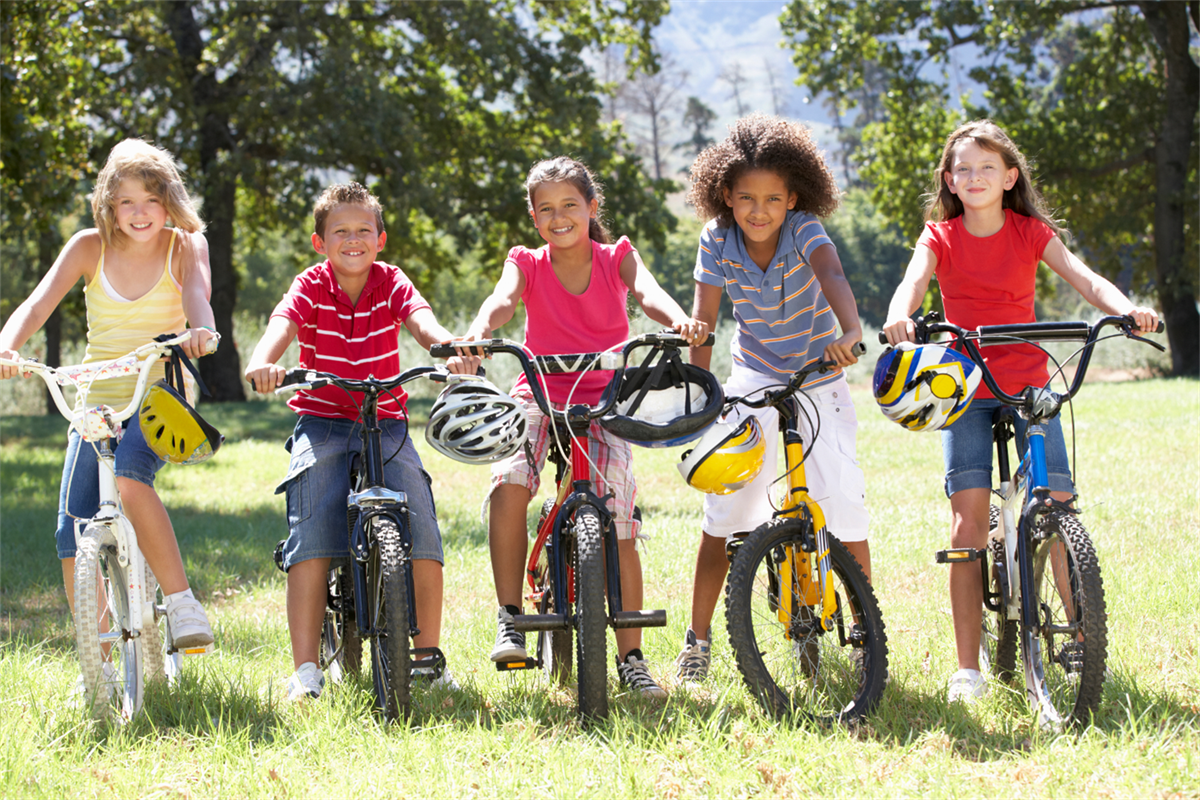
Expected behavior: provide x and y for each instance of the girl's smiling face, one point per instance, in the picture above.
(760, 201)
(978, 177)
(139, 214)
(562, 214)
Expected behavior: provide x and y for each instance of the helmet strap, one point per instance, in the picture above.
(175, 366)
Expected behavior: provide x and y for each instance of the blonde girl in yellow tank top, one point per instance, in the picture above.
(141, 279)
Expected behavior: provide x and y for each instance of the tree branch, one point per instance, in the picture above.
(1144, 157)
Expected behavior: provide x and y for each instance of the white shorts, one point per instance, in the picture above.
(834, 478)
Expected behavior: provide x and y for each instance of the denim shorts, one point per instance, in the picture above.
(79, 493)
(967, 448)
(318, 483)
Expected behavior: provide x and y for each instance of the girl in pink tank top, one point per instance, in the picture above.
(574, 288)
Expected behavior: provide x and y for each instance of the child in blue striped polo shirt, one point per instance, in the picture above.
(763, 188)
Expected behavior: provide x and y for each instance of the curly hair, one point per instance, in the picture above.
(158, 171)
(768, 143)
(352, 193)
(1023, 198)
(564, 169)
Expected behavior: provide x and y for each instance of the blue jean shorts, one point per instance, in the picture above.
(79, 493)
(967, 448)
(318, 483)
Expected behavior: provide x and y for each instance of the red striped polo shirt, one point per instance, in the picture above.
(351, 341)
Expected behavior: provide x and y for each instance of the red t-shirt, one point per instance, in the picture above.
(351, 341)
(990, 280)
(558, 322)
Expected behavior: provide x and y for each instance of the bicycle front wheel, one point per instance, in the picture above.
(773, 605)
(1065, 655)
(387, 581)
(590, 616)
(102, 623)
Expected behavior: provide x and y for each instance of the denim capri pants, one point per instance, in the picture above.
(79, 493)
(967, 448)
(318, 483)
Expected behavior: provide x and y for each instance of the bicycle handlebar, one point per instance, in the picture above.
(301, 379)
(82, 376)
(794, 383)
(571, 362)
(989, 335)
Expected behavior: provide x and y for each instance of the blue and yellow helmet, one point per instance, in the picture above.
(924, 387)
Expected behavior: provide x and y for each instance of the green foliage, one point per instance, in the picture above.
(1081, 87)
(872, 251)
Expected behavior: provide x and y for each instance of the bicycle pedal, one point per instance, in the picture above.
(960, 555)
(509, 666)
(206, 650)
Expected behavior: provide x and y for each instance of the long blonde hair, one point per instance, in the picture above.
(159, 173)
(1023, 198)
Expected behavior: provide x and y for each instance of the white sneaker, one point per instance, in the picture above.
(435, 679)
(967, 685)
(510, 642)
(189, 624)
(307, 681)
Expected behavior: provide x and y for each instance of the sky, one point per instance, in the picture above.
(704, 38)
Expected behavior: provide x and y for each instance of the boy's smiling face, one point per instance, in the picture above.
(760, 201)
(351, 242)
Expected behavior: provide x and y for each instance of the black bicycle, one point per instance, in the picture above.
(375, 589)
(574, 561)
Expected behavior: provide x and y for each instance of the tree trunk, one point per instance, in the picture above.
(48, 244)
(222, 371)
(1176, 272)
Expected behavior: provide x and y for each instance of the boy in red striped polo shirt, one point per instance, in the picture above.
(347, 314)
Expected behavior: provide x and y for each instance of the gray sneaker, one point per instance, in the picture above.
(692, 663)
(306, 682)
(635, 674)
(510, 642)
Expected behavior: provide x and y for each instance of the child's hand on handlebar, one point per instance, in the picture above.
(692, 329)
(201, 342)
(842, 349)
(265, 377)
(1146, 318)
(900, 330)
(467, 361)
(6, 371)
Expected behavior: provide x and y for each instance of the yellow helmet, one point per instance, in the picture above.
(727, 457)
(173, 429)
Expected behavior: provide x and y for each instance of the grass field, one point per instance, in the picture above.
(225, 733)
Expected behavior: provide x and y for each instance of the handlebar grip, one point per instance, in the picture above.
(710, 341)
(1161, 327)
(441, 350)
(883, 338)
(859, 348)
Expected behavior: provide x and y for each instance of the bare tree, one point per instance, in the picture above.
(775, 86)
(653, 98)
(732, 74)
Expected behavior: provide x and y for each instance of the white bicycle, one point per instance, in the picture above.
(122, 632)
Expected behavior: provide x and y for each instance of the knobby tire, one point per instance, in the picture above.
(99, 578)
(794, 668)
(554, 647)
(999, 642)
(590, 614)
(390, 657)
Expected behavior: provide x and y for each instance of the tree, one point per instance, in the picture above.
(45, 141)
(439, 107)
(732, 74)
(1102, 95)
(653, 97)
(699, 117)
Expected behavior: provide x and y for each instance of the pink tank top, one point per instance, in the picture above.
(558, 322)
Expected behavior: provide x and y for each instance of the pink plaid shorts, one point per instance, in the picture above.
(612, 466)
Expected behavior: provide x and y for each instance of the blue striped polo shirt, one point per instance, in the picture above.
(783, 319)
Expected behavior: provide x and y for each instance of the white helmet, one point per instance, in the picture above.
(474, 422)
(924, 387)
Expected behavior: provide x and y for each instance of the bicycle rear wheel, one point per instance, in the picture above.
(788, 661)
(387, 589)
(1065, 657)
(102, 617)
(590, 614)
(998, 644)
(553, 647)
(341, 645)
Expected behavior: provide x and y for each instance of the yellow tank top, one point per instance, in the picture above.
(117, 326)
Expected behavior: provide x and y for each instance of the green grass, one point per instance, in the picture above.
(224, 731)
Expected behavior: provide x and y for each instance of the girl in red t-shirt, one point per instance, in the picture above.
(574, 289)
(987, 229)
